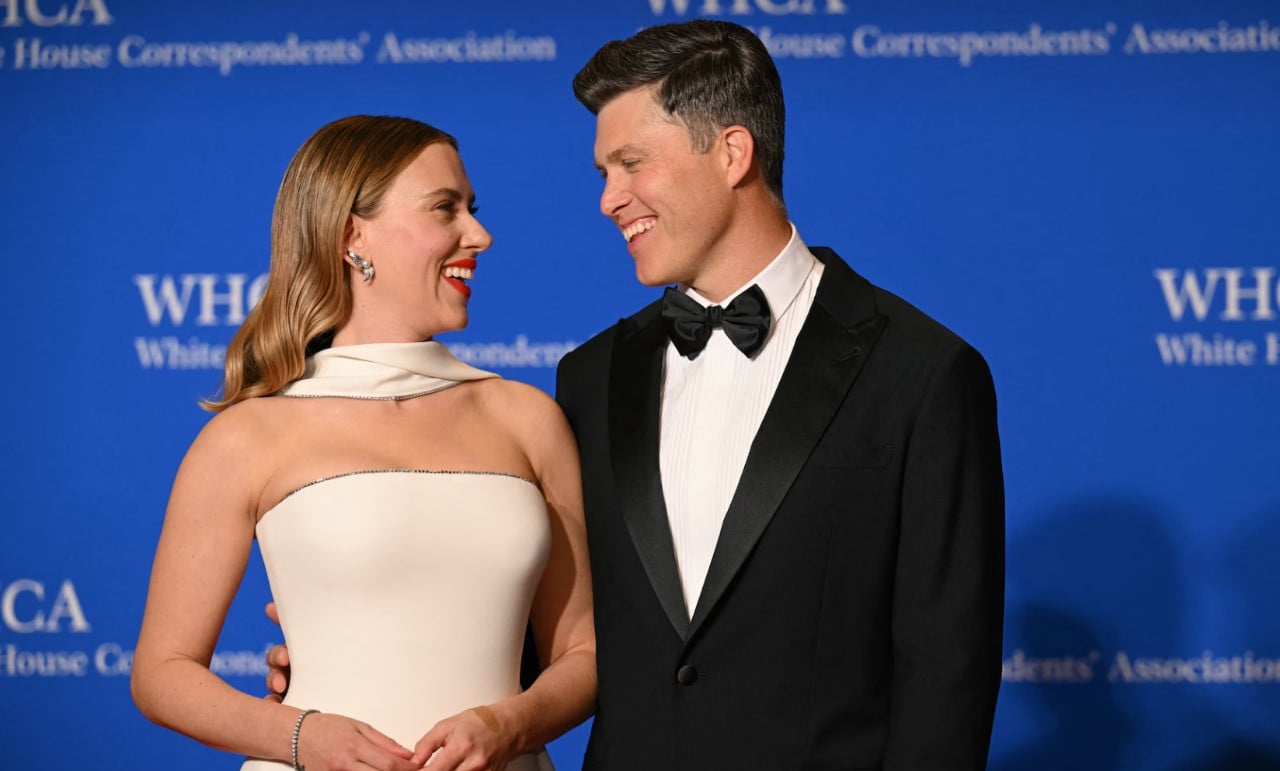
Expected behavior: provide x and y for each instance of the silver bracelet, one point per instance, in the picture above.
(297, 728)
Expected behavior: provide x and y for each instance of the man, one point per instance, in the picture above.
(792, 478)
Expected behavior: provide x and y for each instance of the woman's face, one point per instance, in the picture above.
(423, 243)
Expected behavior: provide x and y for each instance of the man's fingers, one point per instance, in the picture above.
(271, 612)
(278, 657)
(277, 674)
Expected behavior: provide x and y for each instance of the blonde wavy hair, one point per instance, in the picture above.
(345, 168)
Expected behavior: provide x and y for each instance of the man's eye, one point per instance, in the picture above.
(630, 165)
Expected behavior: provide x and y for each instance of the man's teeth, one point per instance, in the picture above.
(634, 230)
(463, 273)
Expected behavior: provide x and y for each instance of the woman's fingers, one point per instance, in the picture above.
(384, 742)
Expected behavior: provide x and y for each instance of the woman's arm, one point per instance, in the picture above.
(200, 560)
(563, 626)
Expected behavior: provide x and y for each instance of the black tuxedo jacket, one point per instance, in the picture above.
(851, 617)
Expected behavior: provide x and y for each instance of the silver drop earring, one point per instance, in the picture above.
(364, 265)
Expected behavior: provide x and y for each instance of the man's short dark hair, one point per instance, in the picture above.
(710, 74)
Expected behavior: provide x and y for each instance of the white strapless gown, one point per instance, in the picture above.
(404, 595)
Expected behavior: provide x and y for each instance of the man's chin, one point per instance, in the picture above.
(654, 278)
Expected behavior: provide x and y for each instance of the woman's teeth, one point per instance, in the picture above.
(464, 274)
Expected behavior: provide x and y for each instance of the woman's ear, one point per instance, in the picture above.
(353, 240)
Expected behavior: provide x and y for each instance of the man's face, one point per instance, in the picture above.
(671, 204)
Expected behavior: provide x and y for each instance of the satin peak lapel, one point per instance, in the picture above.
(828, 355)
(635, 385)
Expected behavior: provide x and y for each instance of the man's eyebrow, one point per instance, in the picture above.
(617, 155)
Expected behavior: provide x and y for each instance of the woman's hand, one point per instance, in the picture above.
(469, 741)
(336, 743)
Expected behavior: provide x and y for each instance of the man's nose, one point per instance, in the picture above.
(614, 198)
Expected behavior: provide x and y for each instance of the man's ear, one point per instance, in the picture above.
(739, 152)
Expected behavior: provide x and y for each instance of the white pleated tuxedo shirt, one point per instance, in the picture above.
(712, 408)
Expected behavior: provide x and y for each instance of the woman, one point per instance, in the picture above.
(411, 511)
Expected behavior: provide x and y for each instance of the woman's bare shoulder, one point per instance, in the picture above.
(518, 404)
(244, 420)
(246, 431)
(532, 417)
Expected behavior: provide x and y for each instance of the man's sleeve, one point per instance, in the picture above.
(948, 604)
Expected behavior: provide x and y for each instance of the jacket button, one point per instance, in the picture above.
(686, 675)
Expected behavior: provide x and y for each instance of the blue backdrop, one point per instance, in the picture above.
(1086, 191)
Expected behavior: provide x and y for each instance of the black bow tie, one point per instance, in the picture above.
(745, 321)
